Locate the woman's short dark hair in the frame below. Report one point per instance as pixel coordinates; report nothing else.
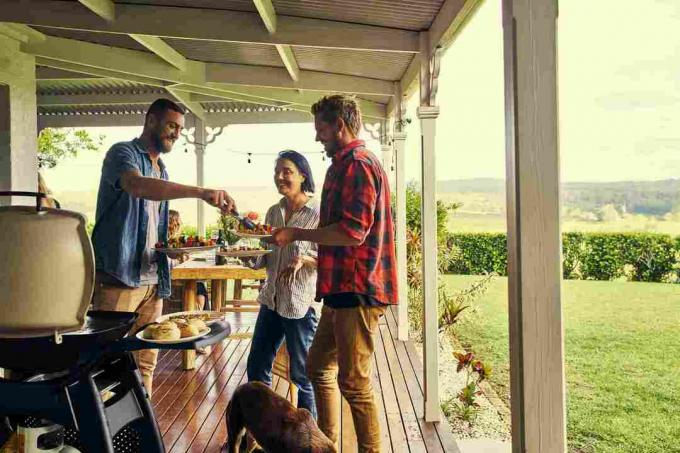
(303, 167)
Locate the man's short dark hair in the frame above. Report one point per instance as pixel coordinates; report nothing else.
(330, 108)
(160, 106)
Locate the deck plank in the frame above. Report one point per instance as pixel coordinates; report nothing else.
(428, 431)
(414, 436)
(396, 427)
(216, 416)
(413, 368)
(186, 428)
(191, 405)
(170, 407)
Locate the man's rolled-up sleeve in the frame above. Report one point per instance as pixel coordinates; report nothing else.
(359, 195)
(118, 160)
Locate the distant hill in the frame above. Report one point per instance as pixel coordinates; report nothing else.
(641, 197)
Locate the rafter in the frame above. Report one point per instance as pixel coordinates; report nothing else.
(186, 99)
(447, 25)
(97, 72)
(213, 119)
(52, 100)
(147, 66)
(268, 14)
(105, 9)
(162, 50)
(219, 25)
(266, 10)
(289, 61)
(22, 33)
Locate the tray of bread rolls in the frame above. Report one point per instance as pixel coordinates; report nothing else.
(176, 334)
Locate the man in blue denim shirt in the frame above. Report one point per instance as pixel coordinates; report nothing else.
(132, 215)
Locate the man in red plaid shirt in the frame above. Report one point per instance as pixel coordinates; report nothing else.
(357, 277)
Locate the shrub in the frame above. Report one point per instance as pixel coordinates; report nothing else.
(479, 253)
(648, 257)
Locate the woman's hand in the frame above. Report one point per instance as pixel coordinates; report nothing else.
(288, 274)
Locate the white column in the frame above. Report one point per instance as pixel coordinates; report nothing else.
(199, 149)
(428, 118)
(534, 266)
(18, 121)
(402, 307)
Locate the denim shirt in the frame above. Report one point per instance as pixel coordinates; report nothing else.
(119, 235)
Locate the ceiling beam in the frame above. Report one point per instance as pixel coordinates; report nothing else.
(268, 14)
(266, 10)
(162, 49)
(309, 80)
(303, 99)
(211, 24)
(289, 61)
(214, 119)
(450, 21)
(19, 32)
(447, 25)
(186, 99)
(52, 100)
(143, 65)
(105, 9)
(97, 72)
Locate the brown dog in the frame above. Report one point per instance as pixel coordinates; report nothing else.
(275, 424)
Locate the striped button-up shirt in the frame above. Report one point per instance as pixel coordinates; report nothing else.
(291, 301)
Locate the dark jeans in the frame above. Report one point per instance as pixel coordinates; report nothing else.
(270, 331)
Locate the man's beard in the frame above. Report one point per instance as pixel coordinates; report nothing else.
(332, 148)
(160, 146)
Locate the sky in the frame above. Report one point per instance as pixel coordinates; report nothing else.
(619, 102)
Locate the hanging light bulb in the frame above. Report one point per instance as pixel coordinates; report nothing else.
(249, 154)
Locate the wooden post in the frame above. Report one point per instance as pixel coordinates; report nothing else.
(534, 266)
(238, 291)
(428, 113)
(402, 307)
(217, 294)
(199, 149)
(189, 303)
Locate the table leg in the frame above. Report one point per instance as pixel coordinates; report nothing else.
(217, 294)
(238, 291)
(188, 304)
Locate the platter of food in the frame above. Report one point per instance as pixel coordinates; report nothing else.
(176, 331)
(259, 230)
(243, 251)
(185, 245)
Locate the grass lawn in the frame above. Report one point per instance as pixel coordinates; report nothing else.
(622, 354)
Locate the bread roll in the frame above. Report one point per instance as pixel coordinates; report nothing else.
(149, 331)
(167, 331)
(188, 330)
(199, 324)
(179, 321)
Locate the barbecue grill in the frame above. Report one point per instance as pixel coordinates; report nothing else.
(68, 356)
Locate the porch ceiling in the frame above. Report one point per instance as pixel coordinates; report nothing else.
(111, 57)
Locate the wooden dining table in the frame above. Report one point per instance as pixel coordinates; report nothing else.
(190, 272)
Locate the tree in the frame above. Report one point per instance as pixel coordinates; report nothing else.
(55, 145)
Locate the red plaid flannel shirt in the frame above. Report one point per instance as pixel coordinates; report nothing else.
(356, 195)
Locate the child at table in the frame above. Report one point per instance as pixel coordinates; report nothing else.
(174, 229)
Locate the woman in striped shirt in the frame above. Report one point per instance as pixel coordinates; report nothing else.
(287, 309)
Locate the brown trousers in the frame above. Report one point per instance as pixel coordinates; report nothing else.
(142, 300)
(340, 356)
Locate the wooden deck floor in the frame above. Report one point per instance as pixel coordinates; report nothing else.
(190, 405)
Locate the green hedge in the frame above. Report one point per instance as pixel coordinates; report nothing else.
(647, 257)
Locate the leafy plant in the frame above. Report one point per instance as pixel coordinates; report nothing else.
(228, 223)
(465, 405)
(55, 145)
